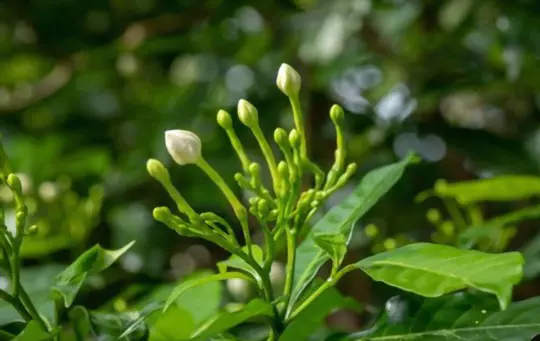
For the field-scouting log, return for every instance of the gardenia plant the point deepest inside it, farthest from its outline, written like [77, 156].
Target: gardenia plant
[283, 210]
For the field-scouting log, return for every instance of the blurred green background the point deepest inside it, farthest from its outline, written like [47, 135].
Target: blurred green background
[87, 89]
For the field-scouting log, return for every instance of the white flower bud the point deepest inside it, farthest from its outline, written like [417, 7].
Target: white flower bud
[183, 146]
[288, 80]
[247, 113]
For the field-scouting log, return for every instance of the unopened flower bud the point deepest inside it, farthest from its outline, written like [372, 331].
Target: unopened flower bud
[161, 214]
[337, 115]
[32, 230]
[183, 146]
[224, 119]
[280, 136]
[288, 80]
[433, 215]
[156, 169]
[247, 113]
[294, 138]
[15, 183]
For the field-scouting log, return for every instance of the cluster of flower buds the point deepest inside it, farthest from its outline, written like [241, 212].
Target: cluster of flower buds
[282, 206]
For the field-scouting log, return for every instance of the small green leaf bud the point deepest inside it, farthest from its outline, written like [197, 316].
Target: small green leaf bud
[337, 115]
[288, 80]
[247, 113]
[224, 119]
[254, 168]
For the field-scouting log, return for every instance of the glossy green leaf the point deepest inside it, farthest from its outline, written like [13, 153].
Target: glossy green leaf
[193, 282]
[33, 332]
[94, 260]
[335, 246]
[432, 270]
[238, 263]
[80, 320]
[340, 220]
[38, 291]
[501, 188]
[226, 320]
[311, 319]
[457, 318]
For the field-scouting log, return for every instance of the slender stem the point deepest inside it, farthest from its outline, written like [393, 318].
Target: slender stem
[299, 123]
[239, 209]
[269, 245]
[330, 282]
[16, 304]
[238, 148]
[291, 256]
[268, 155]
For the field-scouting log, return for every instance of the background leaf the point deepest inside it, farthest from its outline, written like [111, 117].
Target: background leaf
[433, 270]
[341, 219]
[456, 318]
[33, 332]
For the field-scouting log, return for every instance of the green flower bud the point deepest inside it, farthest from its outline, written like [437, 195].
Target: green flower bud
[263, 207]
[254, 168]
[247, 113]
[32, 230]
[294, 138]
[183, 146]
[161, 214]
[337, 115]
[15, 183]
[224, 119]
[288, 80]
[433, 215]
[156, 169]
[283, 170]
[280, 136]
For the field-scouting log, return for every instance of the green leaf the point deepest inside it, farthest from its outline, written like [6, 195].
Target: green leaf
[501, 188]
[175, 324]
[226, 320]
[94, 260]
[311, 319]
[335, 246]
[38, 291]
[340, 220]
[193, 282]
[531, 253]
[80, 320]
[457, 318]
[32, 332]
[238, 263]
[493, 227]
[126, 326]
[432, 270]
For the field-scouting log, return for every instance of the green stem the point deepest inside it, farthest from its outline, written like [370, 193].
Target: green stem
[291, 256]
[239, 209]
[16, 304]
[299, 123]
[268, 155]
[238, 148]
[455, 214]
[330, 282]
